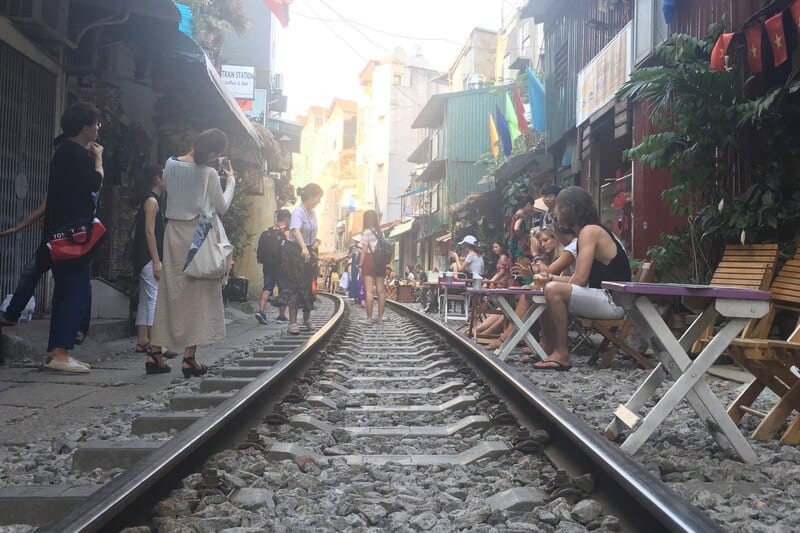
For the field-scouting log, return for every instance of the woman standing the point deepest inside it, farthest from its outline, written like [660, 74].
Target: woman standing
[148, 249]
[372, 271]
[76, 173]
[189, 311]
[300, 257]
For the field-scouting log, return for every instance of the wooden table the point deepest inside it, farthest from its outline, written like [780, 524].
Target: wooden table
[739, 306]
[504, 299]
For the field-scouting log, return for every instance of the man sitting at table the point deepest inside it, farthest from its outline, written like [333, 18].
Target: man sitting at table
[601, 257]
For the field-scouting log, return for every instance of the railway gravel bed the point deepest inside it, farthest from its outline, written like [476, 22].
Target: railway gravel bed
[331, 478]
[762, 497]
[50, 462]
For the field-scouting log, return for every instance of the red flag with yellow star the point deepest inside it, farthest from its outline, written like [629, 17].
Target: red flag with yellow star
[719, 51]
[753, 34]
[777, 38]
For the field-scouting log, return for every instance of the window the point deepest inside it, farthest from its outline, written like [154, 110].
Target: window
[435, 199]
[380, 168]
[649, 29]
[397, 79]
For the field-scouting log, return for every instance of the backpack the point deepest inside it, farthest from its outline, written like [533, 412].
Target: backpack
[382, 254]
[270, 247]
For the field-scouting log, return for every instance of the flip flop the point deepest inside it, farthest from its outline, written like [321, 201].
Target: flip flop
[560, 367]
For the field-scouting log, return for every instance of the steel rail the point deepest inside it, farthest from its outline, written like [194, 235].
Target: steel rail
[652, 503]
[119, 503]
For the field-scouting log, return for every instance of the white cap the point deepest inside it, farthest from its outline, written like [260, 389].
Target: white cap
[469, 239]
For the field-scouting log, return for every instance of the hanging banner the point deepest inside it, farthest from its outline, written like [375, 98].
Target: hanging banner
[240, 81]
[599, 81]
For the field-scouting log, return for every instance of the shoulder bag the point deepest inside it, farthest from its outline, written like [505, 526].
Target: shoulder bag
[210, 255]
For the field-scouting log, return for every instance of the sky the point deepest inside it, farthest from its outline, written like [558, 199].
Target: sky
[317, 64]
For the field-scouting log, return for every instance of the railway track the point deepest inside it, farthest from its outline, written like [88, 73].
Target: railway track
[389, 425]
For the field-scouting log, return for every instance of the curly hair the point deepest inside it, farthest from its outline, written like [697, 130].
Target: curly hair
[575, 208]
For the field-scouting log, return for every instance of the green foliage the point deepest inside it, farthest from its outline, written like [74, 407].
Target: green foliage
[212, 18]
[235, 221]
[709, 132]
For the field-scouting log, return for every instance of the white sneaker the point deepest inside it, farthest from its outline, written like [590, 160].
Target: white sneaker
[71, 366]
[87, 365]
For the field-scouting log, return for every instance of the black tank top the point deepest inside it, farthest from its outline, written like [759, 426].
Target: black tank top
[141, 254]
[619, 269]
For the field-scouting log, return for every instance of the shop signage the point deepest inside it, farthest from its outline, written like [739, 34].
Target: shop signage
[240, 81]
[605, 74]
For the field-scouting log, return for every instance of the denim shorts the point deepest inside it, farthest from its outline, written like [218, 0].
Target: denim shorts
[271, 281]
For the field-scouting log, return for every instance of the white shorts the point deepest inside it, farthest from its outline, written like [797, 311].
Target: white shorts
[596, 304]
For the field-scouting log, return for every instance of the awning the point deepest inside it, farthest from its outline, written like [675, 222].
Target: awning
[402, 228]
[413, 192]
[434, 171]
[422, 153]
[433, 112]
[534, 162]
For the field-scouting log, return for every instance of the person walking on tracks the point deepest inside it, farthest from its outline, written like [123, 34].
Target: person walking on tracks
[189, 311]
[269, 253]
[147, 252]
[300, 258]
[375, 255]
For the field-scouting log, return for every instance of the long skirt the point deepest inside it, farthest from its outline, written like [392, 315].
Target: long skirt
[300, 276]
[189, 311]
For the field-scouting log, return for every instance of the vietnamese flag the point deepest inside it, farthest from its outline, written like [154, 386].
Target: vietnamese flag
[777, 38]
[245, 104]
[519, 108]
[720, 50]
[280, 8]
[753, 35]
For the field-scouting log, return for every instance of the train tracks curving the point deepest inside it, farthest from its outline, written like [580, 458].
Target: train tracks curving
[399, 424]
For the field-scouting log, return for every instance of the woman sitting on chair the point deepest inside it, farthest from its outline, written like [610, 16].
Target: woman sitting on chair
[601, 257]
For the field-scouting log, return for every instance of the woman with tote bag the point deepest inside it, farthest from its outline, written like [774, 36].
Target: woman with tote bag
[189, 310]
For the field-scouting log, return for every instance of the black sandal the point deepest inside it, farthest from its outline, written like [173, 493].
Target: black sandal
[196, 369]
[153, 367]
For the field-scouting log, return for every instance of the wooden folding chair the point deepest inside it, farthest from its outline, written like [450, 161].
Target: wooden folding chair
[771, 362]
[748, 266]
[615, 332]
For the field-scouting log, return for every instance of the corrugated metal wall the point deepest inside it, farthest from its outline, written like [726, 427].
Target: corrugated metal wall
[595, 39]
[467, 126]
[563, 42]
[27, 117]
[695, 17]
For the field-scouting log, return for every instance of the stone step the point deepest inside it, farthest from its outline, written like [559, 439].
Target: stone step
[224, 384]
[110, 454]
[37, 505]
[189, 402]
[244, 371]
[163, 422]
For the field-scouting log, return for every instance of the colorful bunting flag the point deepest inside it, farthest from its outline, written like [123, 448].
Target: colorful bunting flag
[519, 109]
[502, 129]
[494, 138]
[538, 103]
[280, 8]
[720, 51]
[777, 38]
[753, 35]
[511, 118]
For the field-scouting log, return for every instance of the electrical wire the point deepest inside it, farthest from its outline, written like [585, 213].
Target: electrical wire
[345, 41]
[353, 26]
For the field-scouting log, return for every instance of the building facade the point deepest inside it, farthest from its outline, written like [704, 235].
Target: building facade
[393, 91]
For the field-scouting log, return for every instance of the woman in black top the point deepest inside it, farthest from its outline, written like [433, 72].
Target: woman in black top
[148, 249]
[601, 257]
[76, 174]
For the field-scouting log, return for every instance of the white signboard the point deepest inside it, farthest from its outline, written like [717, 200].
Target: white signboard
[240, 81]
[606, 72]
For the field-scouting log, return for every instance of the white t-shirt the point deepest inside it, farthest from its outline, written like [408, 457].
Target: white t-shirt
[410, 276]
[572, 249]
[369, 240]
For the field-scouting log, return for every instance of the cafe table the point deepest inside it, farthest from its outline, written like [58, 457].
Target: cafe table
[505, 299]
[736, 307]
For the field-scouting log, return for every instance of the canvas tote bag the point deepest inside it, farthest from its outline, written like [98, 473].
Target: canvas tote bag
[210, 254]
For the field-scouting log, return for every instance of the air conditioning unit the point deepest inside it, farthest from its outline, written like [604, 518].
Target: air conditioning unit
[44, 18]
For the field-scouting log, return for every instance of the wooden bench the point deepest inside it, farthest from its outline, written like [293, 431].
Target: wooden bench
[771, 362]
[615, 332]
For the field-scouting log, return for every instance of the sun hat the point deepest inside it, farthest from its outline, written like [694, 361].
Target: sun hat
[469, 239]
